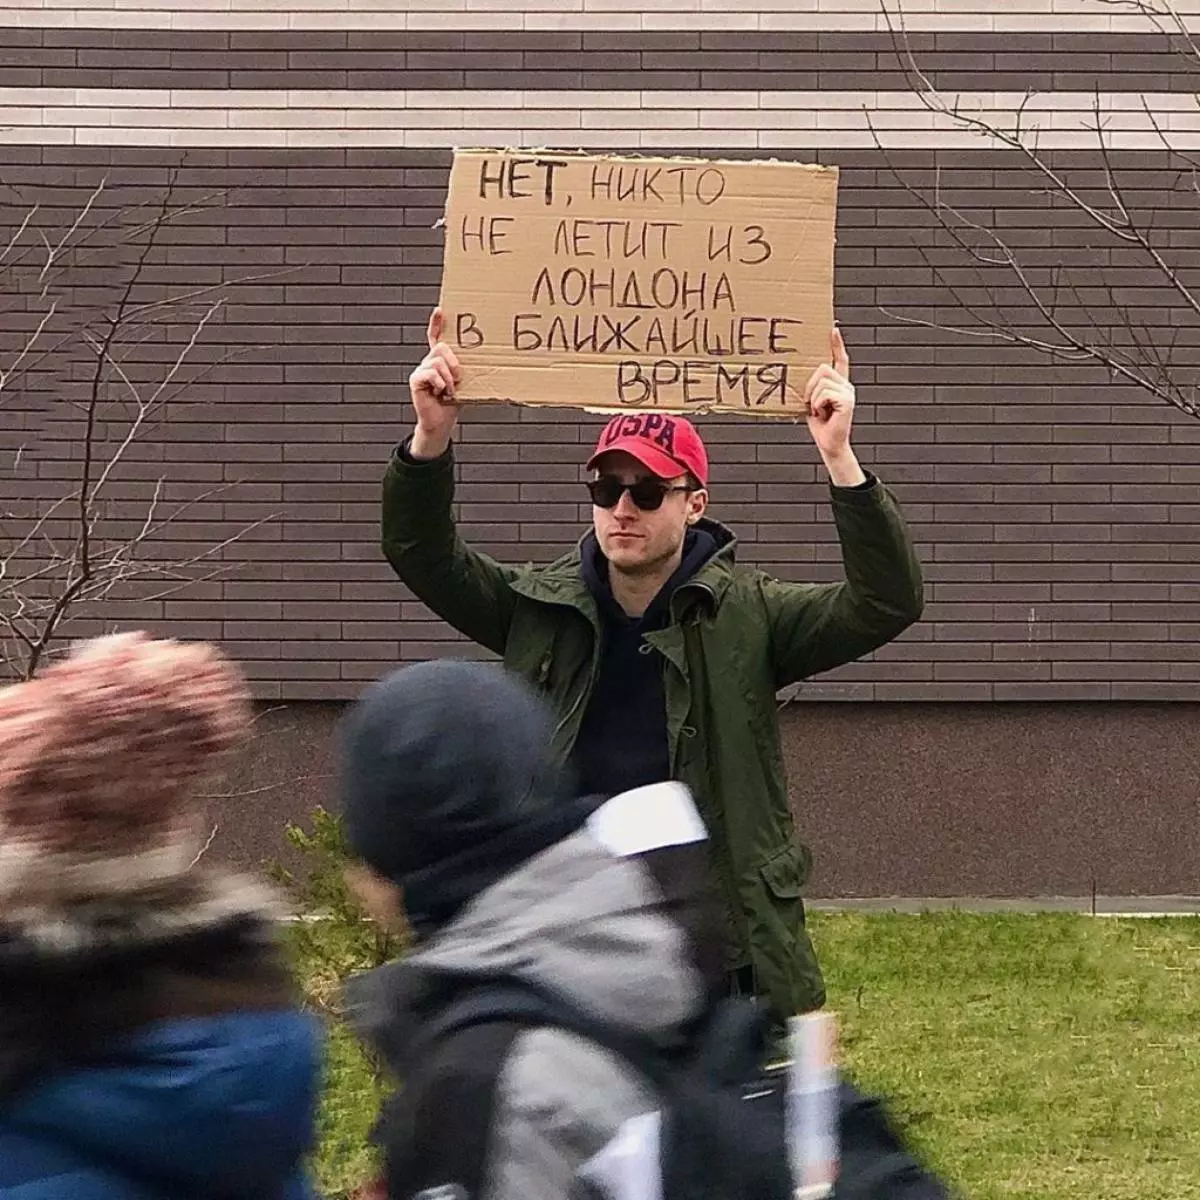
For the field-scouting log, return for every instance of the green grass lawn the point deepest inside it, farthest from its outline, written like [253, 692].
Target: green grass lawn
[1050, 1057]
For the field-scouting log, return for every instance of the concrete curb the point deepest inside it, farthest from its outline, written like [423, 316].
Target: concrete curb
[1103, 906]
[1099, 906]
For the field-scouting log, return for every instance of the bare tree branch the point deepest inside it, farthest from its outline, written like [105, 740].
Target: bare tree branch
[62, 555]
[1076, 313]
[205, 848]
[1165, 19]
[263, 789]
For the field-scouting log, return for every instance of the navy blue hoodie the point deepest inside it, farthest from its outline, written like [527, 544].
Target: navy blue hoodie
[622, 741]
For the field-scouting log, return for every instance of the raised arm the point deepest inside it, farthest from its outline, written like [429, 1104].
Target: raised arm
[466, 588]
[815, 627]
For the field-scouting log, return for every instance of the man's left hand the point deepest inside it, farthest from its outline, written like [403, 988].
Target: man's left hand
[829, 404]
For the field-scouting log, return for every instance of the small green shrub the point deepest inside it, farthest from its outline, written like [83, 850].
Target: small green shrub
[332, 939]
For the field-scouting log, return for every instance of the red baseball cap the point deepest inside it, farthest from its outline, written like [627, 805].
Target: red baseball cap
[666, 445]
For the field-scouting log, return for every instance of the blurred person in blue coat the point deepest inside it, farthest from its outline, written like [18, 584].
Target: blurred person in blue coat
[150, 1043]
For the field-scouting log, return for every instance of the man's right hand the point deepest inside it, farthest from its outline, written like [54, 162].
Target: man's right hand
[432, 386]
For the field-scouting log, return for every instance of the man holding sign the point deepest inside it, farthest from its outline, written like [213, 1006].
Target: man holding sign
[660, 654]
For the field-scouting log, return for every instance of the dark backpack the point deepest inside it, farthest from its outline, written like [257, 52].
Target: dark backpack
[723, 1111]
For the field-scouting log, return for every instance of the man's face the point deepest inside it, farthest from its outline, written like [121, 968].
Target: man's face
[636, 541]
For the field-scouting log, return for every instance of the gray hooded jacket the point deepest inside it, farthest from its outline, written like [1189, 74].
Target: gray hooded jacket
[514, 1114]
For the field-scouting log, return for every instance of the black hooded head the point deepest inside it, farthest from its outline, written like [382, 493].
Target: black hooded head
[449, 783]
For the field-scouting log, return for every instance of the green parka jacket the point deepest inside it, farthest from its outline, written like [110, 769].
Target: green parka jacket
[735, 638]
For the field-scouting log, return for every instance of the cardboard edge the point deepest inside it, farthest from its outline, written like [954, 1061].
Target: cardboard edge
[696, 410]
[830, 169]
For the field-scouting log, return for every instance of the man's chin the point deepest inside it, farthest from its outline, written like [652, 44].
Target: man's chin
[628, 559]
[625, 555]
[633, 560]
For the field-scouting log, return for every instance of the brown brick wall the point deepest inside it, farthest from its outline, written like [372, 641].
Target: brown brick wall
[1051, 507]
[732, 59]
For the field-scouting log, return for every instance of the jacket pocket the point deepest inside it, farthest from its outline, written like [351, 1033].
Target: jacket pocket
[785, 964]
[787, 870]
[530, 654]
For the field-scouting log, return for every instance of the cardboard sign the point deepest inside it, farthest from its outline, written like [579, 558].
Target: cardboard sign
[611, 283]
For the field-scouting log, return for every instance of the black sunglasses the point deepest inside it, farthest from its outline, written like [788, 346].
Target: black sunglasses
[647, 494]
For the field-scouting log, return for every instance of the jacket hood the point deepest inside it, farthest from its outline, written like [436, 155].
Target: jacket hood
[449, 782]
[223, 1105]
[724, 537]
[576, 920]
[698, 548]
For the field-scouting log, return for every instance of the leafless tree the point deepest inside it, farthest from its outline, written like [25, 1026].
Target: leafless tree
[96, 355]
[1122, 293]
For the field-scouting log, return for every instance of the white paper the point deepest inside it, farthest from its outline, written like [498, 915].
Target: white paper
[812, 1101]
[647, 818]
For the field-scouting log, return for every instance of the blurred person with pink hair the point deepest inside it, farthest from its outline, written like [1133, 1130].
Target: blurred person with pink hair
[151, 1045]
